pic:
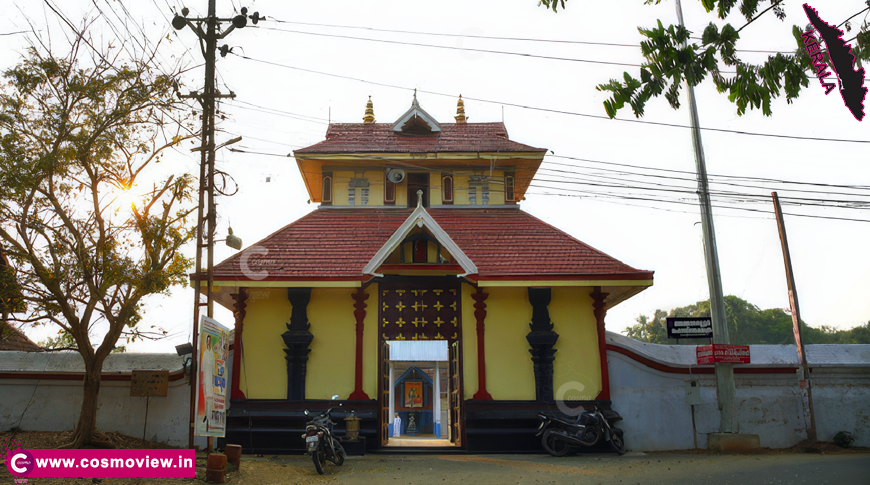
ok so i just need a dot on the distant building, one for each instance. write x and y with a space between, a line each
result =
418 237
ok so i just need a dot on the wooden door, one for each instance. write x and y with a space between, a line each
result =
455 395
385 393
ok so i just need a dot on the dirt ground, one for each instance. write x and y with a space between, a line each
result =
828 464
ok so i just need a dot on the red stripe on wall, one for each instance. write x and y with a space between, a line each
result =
707 369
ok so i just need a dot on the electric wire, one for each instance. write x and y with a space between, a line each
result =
468 49
555 111
633 197
487 37
736 177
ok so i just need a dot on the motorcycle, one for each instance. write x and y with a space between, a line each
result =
319 441
588 429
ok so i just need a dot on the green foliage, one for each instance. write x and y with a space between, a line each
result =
844 439
76 135
11 300
747 324
552 4
671 60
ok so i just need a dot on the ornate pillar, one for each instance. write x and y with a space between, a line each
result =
240 303
297 338
360 298
542 338
480 315
599 310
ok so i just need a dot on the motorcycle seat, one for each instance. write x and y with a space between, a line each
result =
611 416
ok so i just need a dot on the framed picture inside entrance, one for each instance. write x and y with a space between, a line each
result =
413 396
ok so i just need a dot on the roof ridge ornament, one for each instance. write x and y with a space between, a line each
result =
416 121
460 112
370 112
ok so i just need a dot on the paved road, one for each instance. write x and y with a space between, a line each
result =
633 468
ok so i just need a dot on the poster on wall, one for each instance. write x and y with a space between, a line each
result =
414 394
211 396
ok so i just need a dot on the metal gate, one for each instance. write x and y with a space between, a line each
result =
455 395
385 393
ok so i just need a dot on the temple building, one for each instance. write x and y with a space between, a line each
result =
418 289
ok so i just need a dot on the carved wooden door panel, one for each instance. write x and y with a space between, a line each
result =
420 309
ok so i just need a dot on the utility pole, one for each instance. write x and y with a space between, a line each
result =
206 214
795 318
725 388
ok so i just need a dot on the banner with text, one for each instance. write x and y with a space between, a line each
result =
694 327
734 354
211 396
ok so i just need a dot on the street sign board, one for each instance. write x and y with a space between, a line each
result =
694 327
734 354
154 383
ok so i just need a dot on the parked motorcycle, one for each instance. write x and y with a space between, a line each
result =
589 428
319 441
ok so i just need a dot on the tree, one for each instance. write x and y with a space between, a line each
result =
747 324
655 331
671 59
76 134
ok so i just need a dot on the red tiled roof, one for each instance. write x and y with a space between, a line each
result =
338 243
13 339
380 138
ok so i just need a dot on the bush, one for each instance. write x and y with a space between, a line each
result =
844 439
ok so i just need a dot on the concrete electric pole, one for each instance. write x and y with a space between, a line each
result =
206 215
725 388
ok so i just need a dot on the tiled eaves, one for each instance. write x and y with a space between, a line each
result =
501 242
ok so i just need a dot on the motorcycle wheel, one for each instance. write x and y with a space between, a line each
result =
319 457
617 444
339 452
554 446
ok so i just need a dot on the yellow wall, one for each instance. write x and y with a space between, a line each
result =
460 189
376 178
265 370
509 368
577 369
341 181
331 362
435 188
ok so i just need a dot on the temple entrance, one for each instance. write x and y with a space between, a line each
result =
420 385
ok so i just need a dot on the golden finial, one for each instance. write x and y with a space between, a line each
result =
370 112
460 111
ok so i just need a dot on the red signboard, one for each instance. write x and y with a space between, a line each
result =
735 354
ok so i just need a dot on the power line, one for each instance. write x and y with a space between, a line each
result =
548 110
631 197
737 177
469 49
488 37
666 177
728 194
277 112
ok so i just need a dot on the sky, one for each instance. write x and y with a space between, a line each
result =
311 63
